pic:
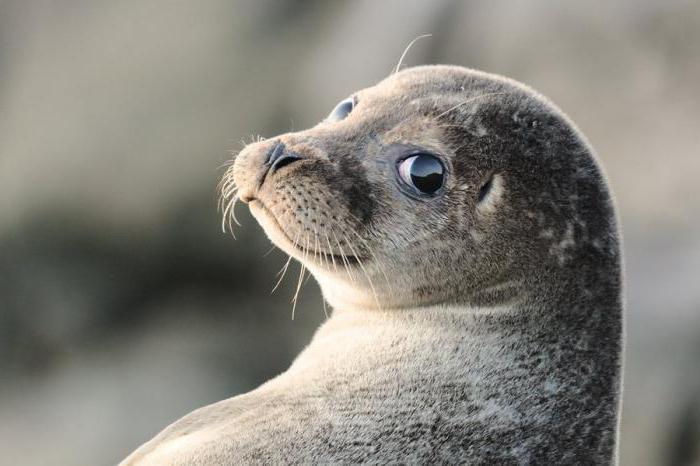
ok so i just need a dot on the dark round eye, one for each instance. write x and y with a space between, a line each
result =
422 171
342 110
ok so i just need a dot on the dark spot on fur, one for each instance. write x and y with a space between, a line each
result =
350 180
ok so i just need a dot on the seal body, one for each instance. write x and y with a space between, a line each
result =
462 231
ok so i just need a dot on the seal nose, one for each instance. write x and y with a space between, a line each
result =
256 162
277 157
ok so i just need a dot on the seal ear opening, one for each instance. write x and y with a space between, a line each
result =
485 189
489 193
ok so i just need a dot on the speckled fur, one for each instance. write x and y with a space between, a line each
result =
468 332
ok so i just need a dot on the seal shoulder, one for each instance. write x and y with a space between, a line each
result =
210 433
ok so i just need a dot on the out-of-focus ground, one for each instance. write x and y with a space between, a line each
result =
123 306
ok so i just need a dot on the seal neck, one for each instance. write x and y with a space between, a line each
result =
553 370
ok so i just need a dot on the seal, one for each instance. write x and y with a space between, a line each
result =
462 231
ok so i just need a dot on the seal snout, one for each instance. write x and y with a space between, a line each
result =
258 161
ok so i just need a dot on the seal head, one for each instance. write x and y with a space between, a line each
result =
438 185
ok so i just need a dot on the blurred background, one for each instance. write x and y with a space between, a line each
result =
122 304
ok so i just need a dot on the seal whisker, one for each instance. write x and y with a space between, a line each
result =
405 51
281 274
228 188
324 261
308 277
359 261
316 251
283 270
380 266
226 164
228 215
231 214
367 246
300 282
472 99
328 256
302 269
270 250
227 202
325 311
344 258
302 273
369 249
330 249
224 218
307 250
224 189
321 254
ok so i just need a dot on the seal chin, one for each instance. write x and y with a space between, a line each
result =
272 228
323 260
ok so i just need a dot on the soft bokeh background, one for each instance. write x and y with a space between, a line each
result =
123 306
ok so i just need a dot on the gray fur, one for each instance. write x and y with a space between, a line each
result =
473 332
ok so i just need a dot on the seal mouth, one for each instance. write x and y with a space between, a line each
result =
305 253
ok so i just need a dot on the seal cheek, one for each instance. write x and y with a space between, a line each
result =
351 180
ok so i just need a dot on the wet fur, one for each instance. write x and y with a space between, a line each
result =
479 332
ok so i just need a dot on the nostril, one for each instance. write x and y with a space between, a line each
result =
285 159
274 153
278 157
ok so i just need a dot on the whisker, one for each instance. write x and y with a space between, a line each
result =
281 274
344 258
467 101
228 214
330 248
314 258
227 202
269 251
323 257
315 245
301 277
374 256
405 51
371 285
369 248
283 271
224 218
225 164
302 269
308 277
325 311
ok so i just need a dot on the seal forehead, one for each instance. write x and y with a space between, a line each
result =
425 80
431 96
420 130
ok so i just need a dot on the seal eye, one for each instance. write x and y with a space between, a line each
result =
342 110
423 172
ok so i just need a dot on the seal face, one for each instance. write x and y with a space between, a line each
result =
440 184
462 231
